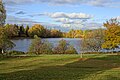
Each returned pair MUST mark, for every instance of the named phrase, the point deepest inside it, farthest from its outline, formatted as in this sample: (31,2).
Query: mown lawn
(60,67)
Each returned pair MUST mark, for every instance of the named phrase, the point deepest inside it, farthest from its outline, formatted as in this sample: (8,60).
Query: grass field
(61,67)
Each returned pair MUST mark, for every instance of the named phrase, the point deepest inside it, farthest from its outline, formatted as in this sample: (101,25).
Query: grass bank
(61,67)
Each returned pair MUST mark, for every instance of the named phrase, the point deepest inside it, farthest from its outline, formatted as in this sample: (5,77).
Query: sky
(62,14)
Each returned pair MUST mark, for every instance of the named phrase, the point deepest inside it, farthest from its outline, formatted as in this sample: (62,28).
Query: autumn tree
(56,33)
(12,30)
(74,34)
(92,41)
(5,43)
(37,29)
(112,34)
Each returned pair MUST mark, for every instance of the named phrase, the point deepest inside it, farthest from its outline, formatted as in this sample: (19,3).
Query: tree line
(15,30)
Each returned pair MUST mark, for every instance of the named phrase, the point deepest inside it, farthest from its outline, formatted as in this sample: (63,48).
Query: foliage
(64,48)
(5,43)
(92,41)
(112,34)
(12,30)
(74,34)
(55,33)
(2,14)
(26,31)
(71,50)
(40,47)
(15,53)
(15,30)
(21,31)
(37,29)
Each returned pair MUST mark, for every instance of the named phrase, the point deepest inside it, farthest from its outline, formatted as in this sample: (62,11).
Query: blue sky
(78,14)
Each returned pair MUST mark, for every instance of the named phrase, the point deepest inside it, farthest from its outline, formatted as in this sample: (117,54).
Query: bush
(40,47)
(71,50)
(16,53)
(64,48)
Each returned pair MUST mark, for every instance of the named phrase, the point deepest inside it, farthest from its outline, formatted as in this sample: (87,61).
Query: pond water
(23,44)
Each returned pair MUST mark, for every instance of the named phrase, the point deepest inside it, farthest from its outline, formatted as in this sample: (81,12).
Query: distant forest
(15,30)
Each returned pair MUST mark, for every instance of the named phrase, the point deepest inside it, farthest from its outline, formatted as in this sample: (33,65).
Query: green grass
(61,67)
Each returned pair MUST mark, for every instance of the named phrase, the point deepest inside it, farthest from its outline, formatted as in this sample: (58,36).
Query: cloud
(84,26)
(69,15)
(118,18)
(69,21)
(69,18)
(21,12)
(15,20)
(75,20)
(100,3)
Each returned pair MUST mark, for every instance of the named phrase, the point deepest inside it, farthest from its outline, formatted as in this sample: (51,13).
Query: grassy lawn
(61,67)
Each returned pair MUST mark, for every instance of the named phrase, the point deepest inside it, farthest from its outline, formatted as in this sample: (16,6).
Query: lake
(23,44)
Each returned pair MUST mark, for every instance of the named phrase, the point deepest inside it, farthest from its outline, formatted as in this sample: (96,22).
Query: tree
(2,14)
(56,33)
(40,47)
(5,43)
(21,30)
(74,34)
(38,30)
(64,48)
(92,41)
(26,31)
(12,30)
(71,50)
(112,34)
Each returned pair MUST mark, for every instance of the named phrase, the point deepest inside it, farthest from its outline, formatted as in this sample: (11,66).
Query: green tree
(112,34)
(26,31)
(2,14)
(21,31)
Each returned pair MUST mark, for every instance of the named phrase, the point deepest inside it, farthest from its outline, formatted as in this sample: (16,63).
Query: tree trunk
(81,55)
(2,51)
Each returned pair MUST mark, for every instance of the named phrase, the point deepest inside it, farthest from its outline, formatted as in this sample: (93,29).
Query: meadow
(60,67)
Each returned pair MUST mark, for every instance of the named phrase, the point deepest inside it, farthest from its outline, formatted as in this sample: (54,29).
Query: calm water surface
(23,44)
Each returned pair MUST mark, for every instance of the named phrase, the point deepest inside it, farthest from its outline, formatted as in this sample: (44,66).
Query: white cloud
(69,21)
(102,3)
(118,18)
(69,15)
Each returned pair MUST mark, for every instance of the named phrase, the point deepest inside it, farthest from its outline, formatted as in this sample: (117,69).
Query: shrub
(40,47)
(64,48)
(16,53)
(71,50)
